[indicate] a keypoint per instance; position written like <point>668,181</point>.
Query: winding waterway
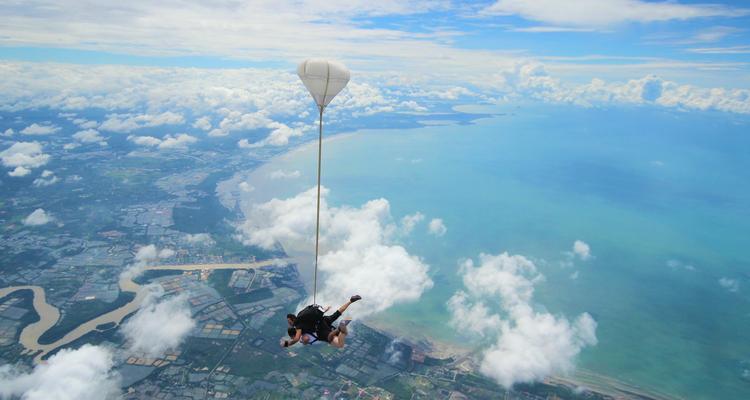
<point>49,314</point>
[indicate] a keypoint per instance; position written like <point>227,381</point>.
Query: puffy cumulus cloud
<point>409,222</point>
<point>603,13</point>
<point>436,227</point>
<point>81,374</point>
<point>124,123</point>
<point>534,346</point>
<point>84,123</point>
<point>19,172</point>
<point>147,141</point>
<point>147,253</point>
<point>46,179</point>
<point>144,256</point>
<point>582,250</point>
<point>279,135</point>
<point>39,130</point>
<point>732,285</point>
<point>203,123</point>
<point>527,345</point>
<point>280,174</point>
<point>89,136</point>
<point>159,325</point>
<point>179,141</point>
<point>38,217</point>
<point>199,238</point>
<point>26,155</point>
<point>166,253</point>
<point>8,132</point>
<point>358,255</point>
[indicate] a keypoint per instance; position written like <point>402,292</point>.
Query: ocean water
<point>661,196</point>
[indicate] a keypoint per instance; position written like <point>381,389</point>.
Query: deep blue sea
<point>661,196</point>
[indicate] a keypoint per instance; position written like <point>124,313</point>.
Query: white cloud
<point>437,227</point>
<point>38,130</point>
<point>532,80</point>
<point>236,121</point>
<point>8,133</point>
<point>144,256</point>
<point>550,29</point>
<point>246,187</point>
<point>203,123</point>
<point>148,141</point>
<point>603,13</point>
<point>721,50</point>
<point>675,265</point>
<point>24,154</point>
<point>166,253</point>
<point>179,141</point>
<point>582,250</point>
<point>46,179</point>
<point>81,374</point>
<point>125,123</point>
<point>147,253</point>
<point>527,345</point>
<point>85,123</point>
<point>89,136</point>
<point>159,325</point>
<point>732,285</point>
<point>280,174</point>
<point>409,222</point>
<point>199,238</point>
<point>357,252</point>
<point>38,217</point>
<point>19,172</point>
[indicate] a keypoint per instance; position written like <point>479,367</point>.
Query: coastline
<point>580,378</point>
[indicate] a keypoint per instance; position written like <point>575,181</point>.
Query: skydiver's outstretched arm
<point>295,339</point>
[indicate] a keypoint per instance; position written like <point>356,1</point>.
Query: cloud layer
<point>527,345</point>
<point>603,13</point>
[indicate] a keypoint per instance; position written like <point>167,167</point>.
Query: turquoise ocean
<point>661,196</point>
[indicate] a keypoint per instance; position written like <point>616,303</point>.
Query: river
<point>49,314</point>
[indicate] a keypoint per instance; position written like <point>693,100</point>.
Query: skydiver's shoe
<point>355,298</point>
<point>342,326</point>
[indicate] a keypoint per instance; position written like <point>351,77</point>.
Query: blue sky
<point>610,39</point>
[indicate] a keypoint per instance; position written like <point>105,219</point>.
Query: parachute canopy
<point>323,78</point>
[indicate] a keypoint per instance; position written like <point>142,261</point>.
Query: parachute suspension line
<point>317,215</point>
<point>317,212</point>
<point>324,79</point>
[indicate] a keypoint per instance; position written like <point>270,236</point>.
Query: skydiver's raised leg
<point>348,303</point>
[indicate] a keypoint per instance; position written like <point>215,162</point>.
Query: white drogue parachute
<point>324,79</point>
